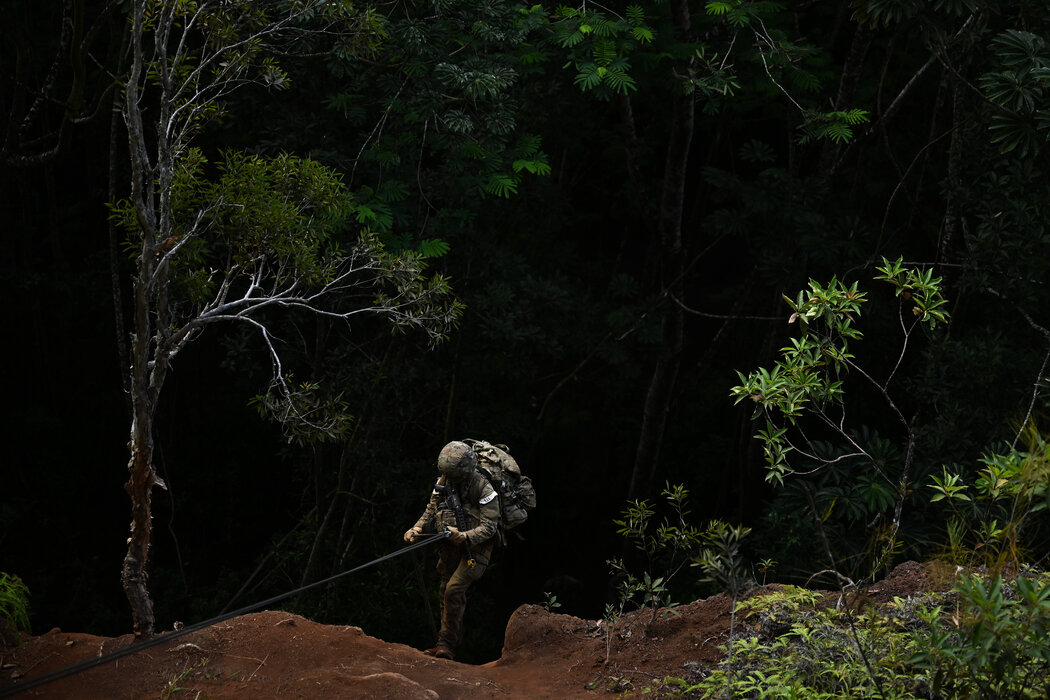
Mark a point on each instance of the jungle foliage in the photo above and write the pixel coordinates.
(984, 639)
(837, 208)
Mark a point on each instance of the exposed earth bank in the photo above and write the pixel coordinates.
(274, 654)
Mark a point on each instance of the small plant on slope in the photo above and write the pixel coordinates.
(996, 519)
(995, 643)
(792, 648)
(665, 548)
(14, 604)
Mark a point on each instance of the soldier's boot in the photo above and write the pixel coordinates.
(441, 651)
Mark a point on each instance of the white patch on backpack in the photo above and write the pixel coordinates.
(516, 493)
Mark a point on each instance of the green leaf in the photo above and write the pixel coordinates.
(432, 248)
(718, 8)
(619, 81)
(642, 34)
(588, 76)
(536, 167)
(501, 185)
(839, 132)
(471, 149)
(755, 151)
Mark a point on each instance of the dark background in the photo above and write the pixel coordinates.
(564, 293)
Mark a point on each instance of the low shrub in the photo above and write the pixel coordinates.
(986, 638)
(14, 606)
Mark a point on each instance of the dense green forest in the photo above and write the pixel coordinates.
(586, 229)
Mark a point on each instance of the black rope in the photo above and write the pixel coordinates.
(168, 636)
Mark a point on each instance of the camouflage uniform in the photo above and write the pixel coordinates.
(481, 505)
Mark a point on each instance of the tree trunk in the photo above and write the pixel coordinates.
(144, 380)
(134, 576)
(657, 404)
(669, 225)
(140, 467)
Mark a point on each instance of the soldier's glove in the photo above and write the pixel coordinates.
(412, 534)
(457, 537)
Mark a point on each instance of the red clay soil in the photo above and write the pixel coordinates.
(275, 654)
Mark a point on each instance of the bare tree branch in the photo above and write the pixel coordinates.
(182, 66)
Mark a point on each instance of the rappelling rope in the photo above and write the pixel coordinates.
(168, 636)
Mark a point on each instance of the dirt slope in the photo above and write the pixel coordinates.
(274, 654)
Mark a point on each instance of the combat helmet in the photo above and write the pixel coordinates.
(457, 460)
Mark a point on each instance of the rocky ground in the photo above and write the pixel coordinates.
(274, 654)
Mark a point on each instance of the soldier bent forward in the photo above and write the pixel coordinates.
(480, 506)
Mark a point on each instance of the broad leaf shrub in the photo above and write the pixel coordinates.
(850, 482)
(792, 648)
(986, 638)
(994, 644)
(995, 518)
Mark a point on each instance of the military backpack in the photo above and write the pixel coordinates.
(516, 493)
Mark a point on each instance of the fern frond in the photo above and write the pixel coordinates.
(618, 79)
(588, 76)
(856, 116)
(376, 215)
(529, 145)
(501, 185)
(568, 36)
(604, 52)
(532, 58)
(718, 8)
(432, 248)
(739, 18)
(839, 132)
(804, 80)
(605, 27)
(392, 191)
(755, 151)
(537, 166)
(643, 34)
(471, 149)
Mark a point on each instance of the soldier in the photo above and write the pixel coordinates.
(469, 547)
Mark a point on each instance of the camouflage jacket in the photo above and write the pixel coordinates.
(480, 503)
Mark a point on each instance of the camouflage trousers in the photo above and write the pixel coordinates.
(456, 577)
